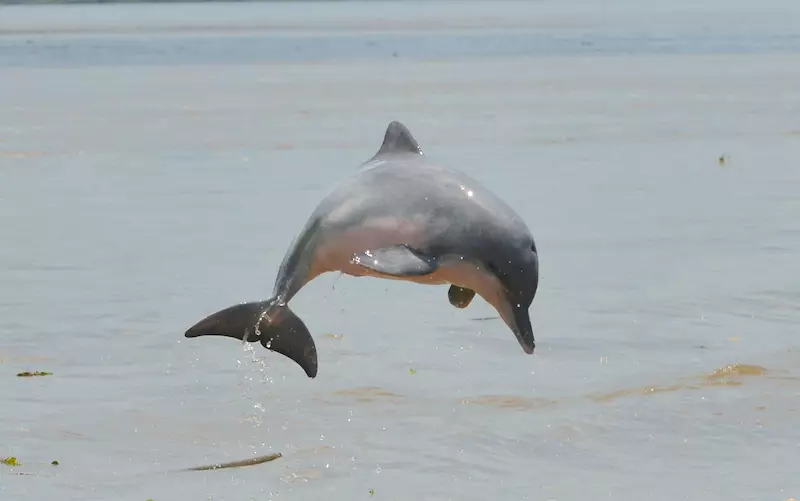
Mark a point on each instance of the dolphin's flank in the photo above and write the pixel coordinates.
(400, 217)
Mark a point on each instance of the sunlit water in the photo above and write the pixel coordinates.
(156, 161)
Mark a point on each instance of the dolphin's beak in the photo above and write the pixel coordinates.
(522, 328)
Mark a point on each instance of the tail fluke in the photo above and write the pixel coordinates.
(282, 331)
(289, 336)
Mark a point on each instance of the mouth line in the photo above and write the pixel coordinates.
(528, 348)
(523, 330)
(518, 323)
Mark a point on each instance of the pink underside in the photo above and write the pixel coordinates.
(337, 252)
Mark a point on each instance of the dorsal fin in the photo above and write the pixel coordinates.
(398, 139)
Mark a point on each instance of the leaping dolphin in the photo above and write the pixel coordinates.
(401, 217)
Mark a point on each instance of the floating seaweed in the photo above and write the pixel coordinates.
(238, 464)
(34, 374)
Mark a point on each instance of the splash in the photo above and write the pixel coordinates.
(250, 384)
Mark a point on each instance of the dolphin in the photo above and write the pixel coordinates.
(401, 217)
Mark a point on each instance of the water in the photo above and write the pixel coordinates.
(157, 160)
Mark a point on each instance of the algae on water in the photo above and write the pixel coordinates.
(34, 374)
(238, 464)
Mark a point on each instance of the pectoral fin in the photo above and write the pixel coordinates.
(398, 260)
(460, 297)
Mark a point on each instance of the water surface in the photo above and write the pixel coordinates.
(156, 161)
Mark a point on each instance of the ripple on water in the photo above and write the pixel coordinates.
(729, 375)
(513, 402)
(367, 393)
(21, 154)
(12, 359)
